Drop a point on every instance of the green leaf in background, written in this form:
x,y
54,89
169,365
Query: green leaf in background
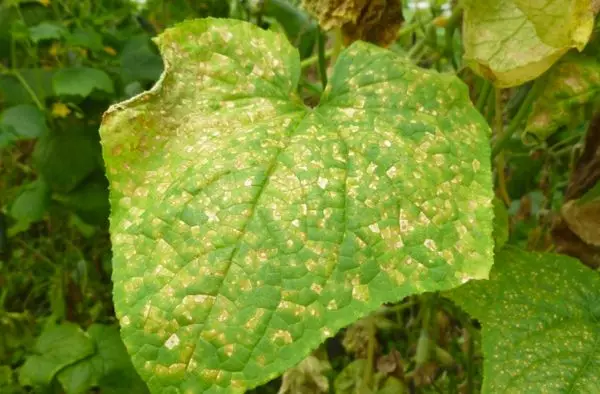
x,y
139,60
81,81
571,92
57,347
85,38
46,31
247,227
12,91
25,121
66,157
109,360
31,204
511,42
300,29
541,323
89,200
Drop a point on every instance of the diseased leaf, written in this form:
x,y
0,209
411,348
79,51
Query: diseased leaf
x,y
541,323
583,220
570,94
375,21
247,228
306,377
81,81
513,41
575,231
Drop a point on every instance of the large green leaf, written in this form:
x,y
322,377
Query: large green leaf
x,y
247,227
541,323
571,93
513,41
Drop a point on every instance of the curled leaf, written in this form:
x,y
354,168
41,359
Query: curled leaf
x,y
571,92
575,232
511,42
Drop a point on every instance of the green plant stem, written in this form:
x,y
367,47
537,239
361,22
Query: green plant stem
x,y
411,28
417,48
14,72
322,58
500,161
483,95
310,61
503,138
451,26
338,45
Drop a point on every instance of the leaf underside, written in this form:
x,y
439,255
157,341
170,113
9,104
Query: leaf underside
x,y
511,42
541,323
247,228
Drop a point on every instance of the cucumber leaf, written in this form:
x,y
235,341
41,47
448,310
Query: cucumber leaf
x,y
247,227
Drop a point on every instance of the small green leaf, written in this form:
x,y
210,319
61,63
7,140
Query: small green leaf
x,y
247,228
46,31
67,157
26,121
541,323
85,38
31,204
513,41
57,347
110,359
571,93
81,81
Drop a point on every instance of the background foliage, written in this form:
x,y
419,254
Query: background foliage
x,y
63,62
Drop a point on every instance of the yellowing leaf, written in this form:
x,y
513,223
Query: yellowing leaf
x,y
513,41
247,227
60,110
45,3
571,91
